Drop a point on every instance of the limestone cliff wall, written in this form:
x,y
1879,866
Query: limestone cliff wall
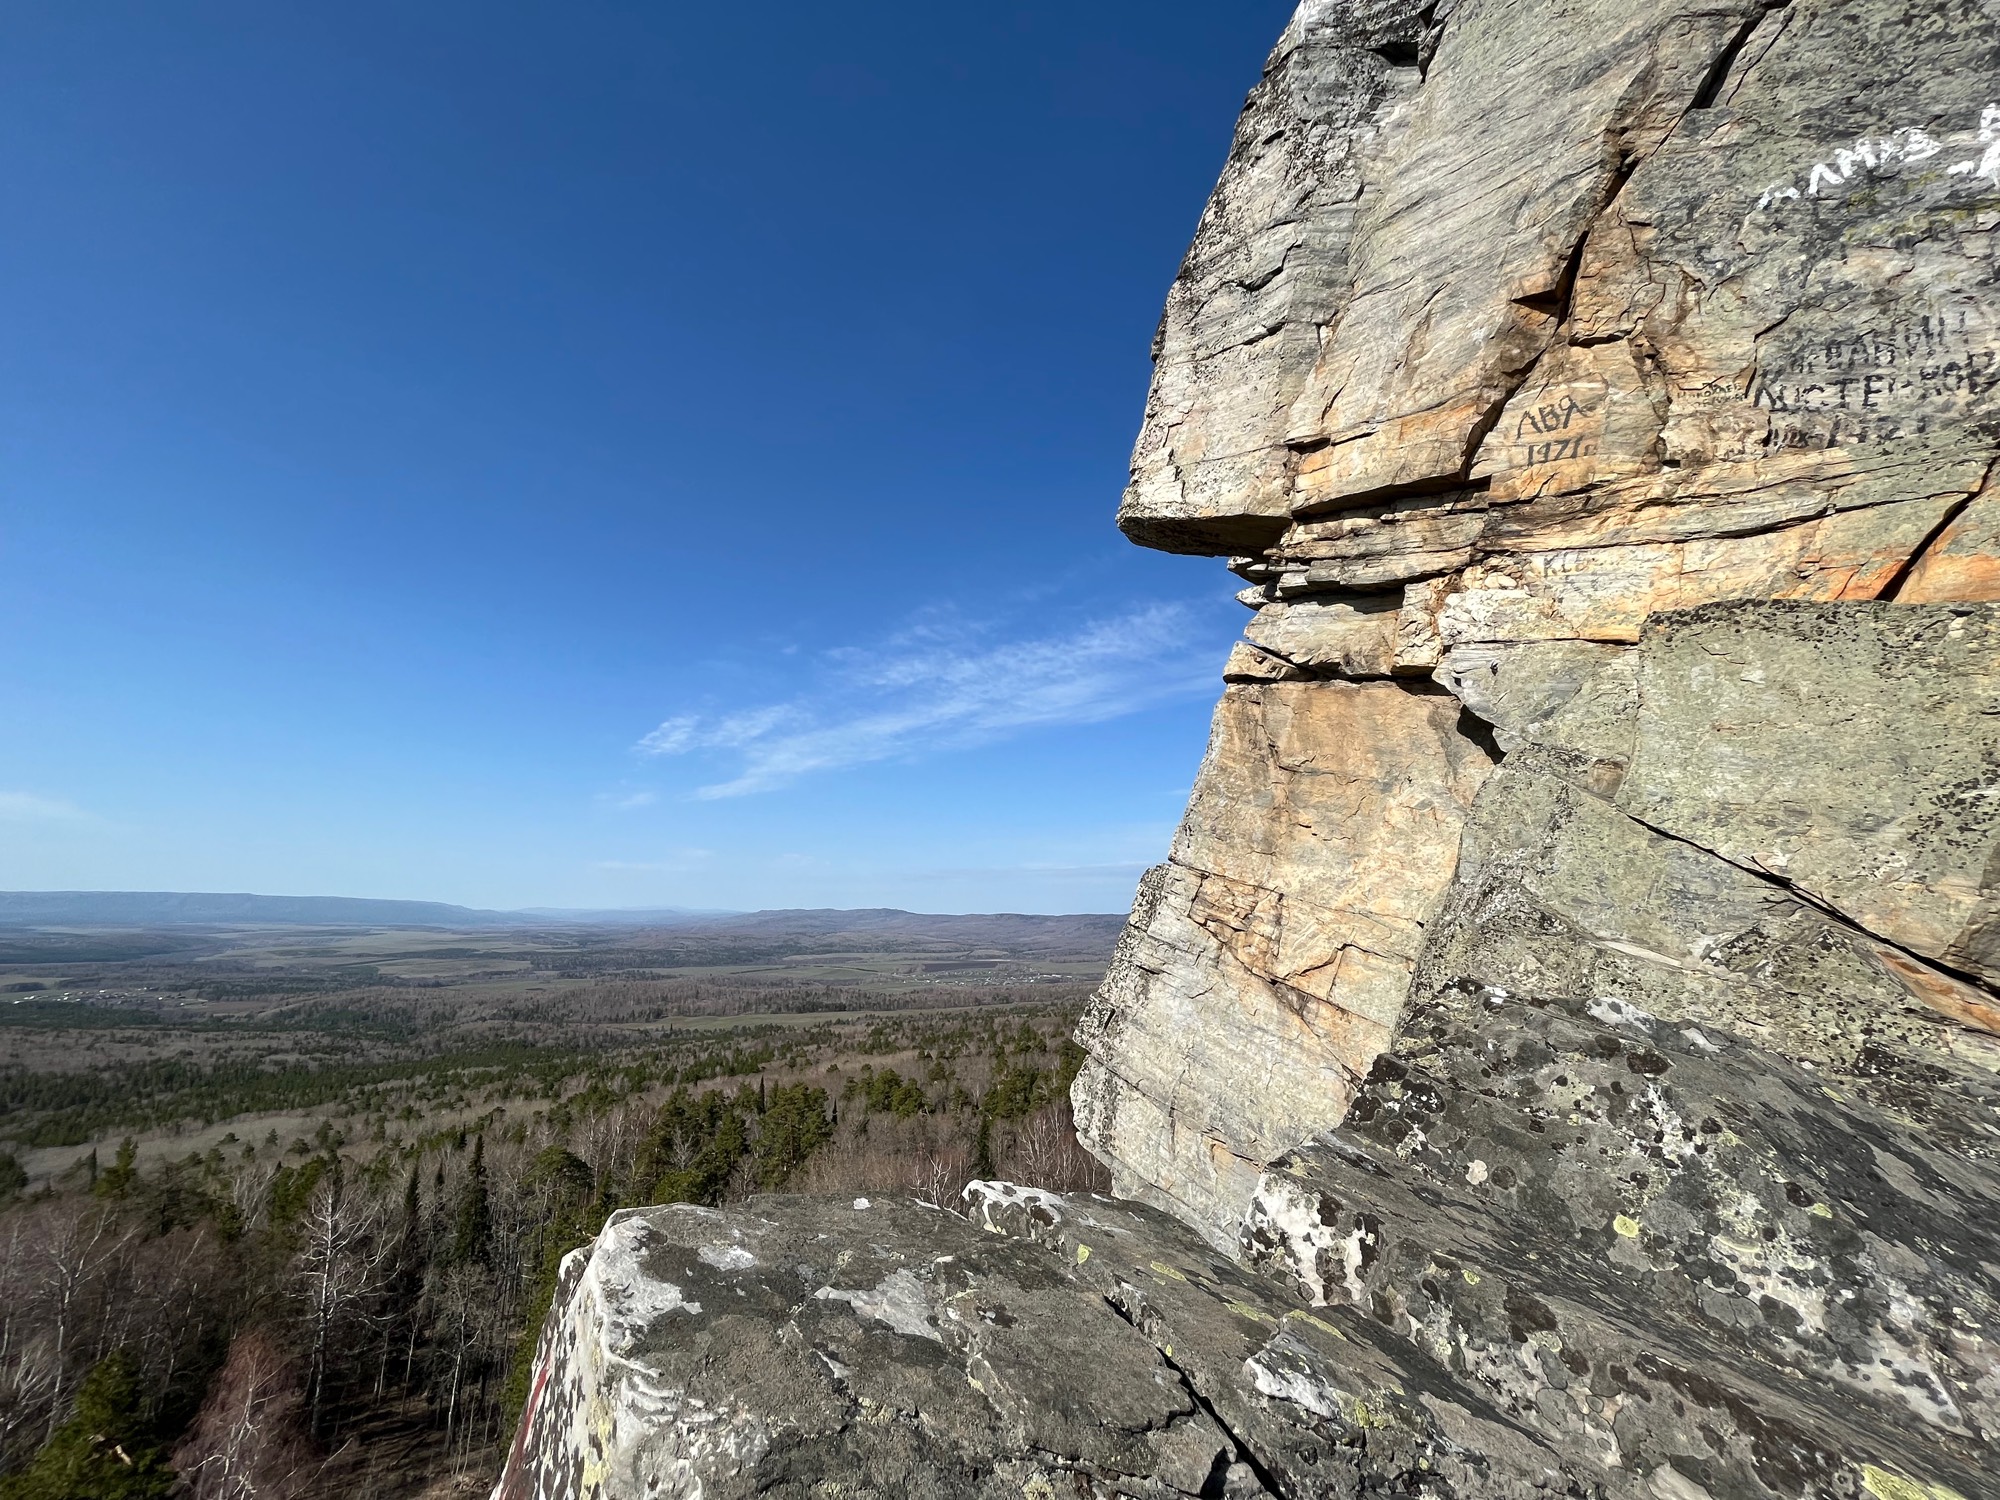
x,y
1561,1052
1513,334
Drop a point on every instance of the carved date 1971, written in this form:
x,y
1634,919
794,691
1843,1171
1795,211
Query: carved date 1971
x,y
1547,420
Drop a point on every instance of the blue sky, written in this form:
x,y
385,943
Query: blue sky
x,y
612,454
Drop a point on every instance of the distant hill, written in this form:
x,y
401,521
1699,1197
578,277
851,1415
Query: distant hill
x,y
620,916
155,909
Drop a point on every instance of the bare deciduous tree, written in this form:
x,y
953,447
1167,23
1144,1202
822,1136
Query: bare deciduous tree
x,y
341,1263
1046,1153
73,1249
248,1442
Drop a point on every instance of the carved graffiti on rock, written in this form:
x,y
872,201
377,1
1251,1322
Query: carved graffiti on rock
x,y
1550,432
1878,384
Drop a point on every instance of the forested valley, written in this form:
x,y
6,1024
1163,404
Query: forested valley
x,y
297,1239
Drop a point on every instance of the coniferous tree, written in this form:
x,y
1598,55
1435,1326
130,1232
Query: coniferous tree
x,y
472,1229
982,1151
104,1452
116,1180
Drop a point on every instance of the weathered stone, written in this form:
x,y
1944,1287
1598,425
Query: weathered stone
x,y
1511,687
1667,1246
1248,664
1665,390
1560,894
1963,562
1607,593
1851,752
1267,270
1512,146
1266,964
1055,1347
1348,636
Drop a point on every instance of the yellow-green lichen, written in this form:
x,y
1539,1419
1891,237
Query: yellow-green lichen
x,y
1320,1323
1254,1314
1884,1485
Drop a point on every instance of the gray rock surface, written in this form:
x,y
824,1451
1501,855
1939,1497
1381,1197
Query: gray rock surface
x,y
1045,1347
1666,1246
1649,306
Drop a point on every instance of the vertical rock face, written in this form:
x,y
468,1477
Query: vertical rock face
x,y
1266,964
1582,316
1589,894
1561,1052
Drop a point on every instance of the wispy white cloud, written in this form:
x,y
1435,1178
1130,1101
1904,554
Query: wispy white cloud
x,y
26,807
678,862
943,685
673,736
627,801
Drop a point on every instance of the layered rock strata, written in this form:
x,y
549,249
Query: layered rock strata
x,y
1561,1053
1592,314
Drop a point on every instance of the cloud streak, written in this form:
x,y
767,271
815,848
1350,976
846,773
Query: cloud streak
x,y
26,807
938,687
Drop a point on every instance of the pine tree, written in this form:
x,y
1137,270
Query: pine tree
x,y
982,1158
116,1180
105,1451
472,1230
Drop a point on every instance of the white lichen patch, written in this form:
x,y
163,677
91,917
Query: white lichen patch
x,y
899,1300
988,1198
1283,1371
1615,1012
727,1257
1281,1211
626,1297
607,1415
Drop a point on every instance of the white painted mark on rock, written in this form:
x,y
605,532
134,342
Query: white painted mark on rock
x,y
1892,152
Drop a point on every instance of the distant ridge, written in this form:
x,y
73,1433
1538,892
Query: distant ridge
x,y
224,909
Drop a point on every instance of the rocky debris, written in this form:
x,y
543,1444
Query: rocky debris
x,y
1574,990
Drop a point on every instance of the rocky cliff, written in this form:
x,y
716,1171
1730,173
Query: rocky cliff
x,y
1559,1054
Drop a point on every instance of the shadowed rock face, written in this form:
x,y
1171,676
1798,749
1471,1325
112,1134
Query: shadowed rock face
x,y
1561,1053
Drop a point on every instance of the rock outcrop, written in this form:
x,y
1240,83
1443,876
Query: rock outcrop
x,y
1044,1347
1561,1054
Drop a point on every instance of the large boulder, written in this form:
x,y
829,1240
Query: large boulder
x,y
1043,1347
